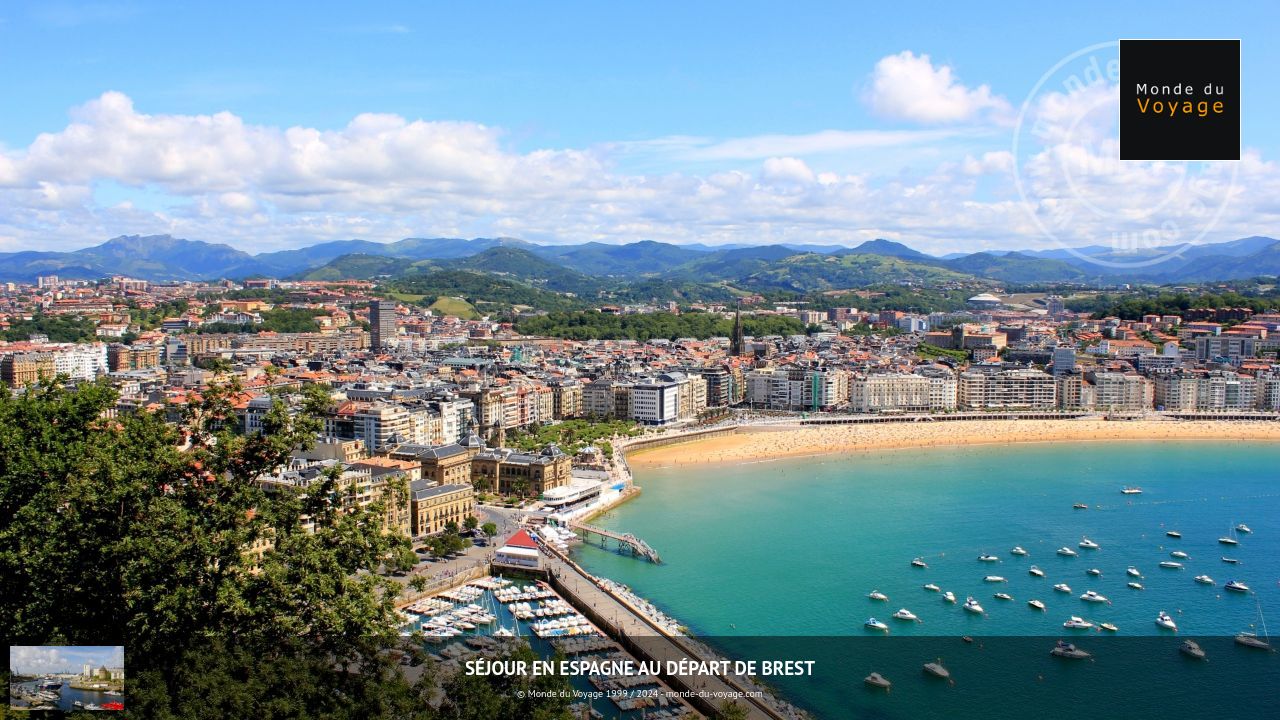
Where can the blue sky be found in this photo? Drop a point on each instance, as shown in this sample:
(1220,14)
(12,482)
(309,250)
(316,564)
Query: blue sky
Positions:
(63,658)
(622,110)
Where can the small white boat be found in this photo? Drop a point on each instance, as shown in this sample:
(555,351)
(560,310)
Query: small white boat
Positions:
(1243,528)
(972,606)
(875,624)
(905,614)
(1088,544)
(1166,622)
(1230,561)
(877,680)
(1133,572)
(1179,554)
(1204,580)
(935,669)
(1067,552)
(1077,623)
(1236,586)
(877,595)
(1091,596)
(1080,506)
(1109,627)
(1003,596)
(988,558)
(931,587)
(1062,588)
(1036,571)
(1171,565)
(1228,541)
(919,562)
(1095,572)
(1173,534)
(1134,490)
(1135,586)
(949,596)
(1036,604)
(994,579)
(1018,550)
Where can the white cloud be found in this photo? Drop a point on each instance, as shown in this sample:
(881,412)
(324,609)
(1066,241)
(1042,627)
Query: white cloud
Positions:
(907,86)
(383,177)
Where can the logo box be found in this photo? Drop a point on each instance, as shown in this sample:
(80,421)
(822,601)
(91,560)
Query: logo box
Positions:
(1180,99)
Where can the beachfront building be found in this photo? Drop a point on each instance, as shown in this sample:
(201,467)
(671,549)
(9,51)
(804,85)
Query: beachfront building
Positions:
(778,388)
(993,388)
(433,506)
(927,390)
(520,550)
(1120,392)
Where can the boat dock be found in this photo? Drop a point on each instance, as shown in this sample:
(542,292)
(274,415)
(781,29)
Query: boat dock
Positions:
(638,547)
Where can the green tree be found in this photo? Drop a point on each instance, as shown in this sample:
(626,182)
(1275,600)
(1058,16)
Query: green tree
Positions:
(470,523)
(489,529)
(732,710)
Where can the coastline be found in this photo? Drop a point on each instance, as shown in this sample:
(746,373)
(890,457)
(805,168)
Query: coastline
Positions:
(760,443)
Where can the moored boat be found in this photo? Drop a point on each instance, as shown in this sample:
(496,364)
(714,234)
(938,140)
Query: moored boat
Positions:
(937,670)
(1091,596)
(1095,572)
(1204,579)
(877,680)
(988,558)
(949,596)
(919,562)
(1236,586)
(1133,572)
(1171,565)
(1135,586)
(1173,534)
(1130,490)
(1192,649)
(1062,588)
(1088,544)
(905,614)
(994,579)
(875,624)
(971,605)
(1243,528)
(1018,550)
(878,596)
(1166,622)
(1036,604)
(1077,623)
(931,587)
(1067,552)
(1067,650)
(1003,596)
(1036,571)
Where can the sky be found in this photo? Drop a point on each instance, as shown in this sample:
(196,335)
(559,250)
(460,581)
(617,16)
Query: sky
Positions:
(275,125)
(36,659)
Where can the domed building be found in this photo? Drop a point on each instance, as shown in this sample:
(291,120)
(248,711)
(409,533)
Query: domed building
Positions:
(985,301)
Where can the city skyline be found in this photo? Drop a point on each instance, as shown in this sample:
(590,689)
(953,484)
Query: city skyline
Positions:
(874,126)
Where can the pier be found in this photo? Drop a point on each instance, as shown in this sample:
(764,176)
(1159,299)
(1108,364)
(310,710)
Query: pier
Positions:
(638,547)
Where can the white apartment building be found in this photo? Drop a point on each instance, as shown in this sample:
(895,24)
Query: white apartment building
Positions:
(81,362)
(656,401)
(933,390)
(1120,392)
(1020,389)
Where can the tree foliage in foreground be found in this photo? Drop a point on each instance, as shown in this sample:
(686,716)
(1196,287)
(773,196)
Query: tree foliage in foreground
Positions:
(128,531)
(591,325)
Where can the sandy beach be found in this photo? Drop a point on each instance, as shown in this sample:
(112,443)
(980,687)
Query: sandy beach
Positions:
(754,444)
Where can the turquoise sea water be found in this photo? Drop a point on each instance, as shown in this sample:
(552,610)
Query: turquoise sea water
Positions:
(792,547)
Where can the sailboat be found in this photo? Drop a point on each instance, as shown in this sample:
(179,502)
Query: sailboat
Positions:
(1250,639)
